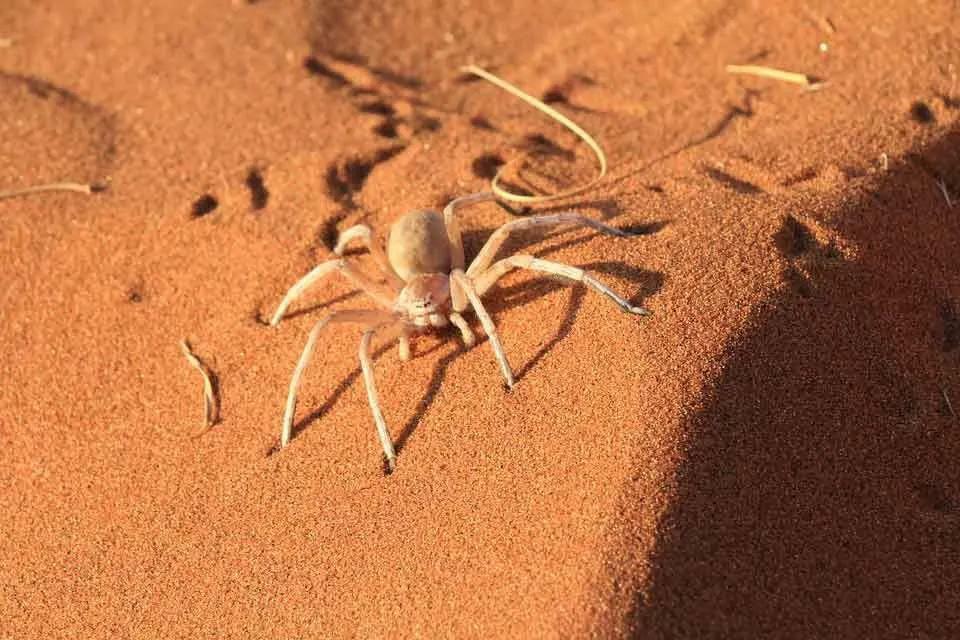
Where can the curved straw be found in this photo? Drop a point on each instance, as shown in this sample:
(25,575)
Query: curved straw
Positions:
(502,193)
(211,403)
(56,186)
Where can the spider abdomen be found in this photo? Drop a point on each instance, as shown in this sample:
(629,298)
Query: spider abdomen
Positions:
(418,244)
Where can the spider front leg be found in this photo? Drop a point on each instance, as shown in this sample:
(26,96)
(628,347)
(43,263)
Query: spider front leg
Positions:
(366,363)
(459,280)
(486,280)
(322,270)
(466,333)
(371,319)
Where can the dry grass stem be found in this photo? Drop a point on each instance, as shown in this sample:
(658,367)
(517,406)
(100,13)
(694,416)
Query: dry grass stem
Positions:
(211,403)
(825,23)
(945,192)
(774,74)
(53,186)
(946,399)
(552,113)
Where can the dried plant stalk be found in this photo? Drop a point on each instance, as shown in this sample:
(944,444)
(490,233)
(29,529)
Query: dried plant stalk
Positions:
(945,192)
(54,186)
(949,404)
(552,113)
(770,72)
(211,403)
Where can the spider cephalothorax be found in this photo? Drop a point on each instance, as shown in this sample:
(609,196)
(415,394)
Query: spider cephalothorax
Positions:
(425,301)
(428,285)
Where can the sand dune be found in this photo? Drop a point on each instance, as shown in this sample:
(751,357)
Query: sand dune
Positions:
(772,453)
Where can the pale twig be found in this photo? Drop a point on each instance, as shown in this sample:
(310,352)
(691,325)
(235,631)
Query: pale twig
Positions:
(211,403)
(770,72)
(825,23)
(554,115)
(945,192)
(946,399)
(54,186)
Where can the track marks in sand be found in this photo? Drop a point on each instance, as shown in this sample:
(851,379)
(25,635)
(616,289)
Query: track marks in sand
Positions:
(934,109)
(808,249)
(259,195)
(742,187)
(346,177)
(391,98)
(204,205)
(922,113)
(486,166)
(389,101)
(135,293)
(747,177)
(744,176)
(224,199)
(807,246)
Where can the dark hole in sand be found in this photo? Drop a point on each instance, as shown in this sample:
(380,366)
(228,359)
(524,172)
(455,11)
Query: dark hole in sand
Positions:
(920,112)
(487,165)
(386,129)
(203,205)
(258,190)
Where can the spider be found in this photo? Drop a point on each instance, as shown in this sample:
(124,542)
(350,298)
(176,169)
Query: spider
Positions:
(428,286)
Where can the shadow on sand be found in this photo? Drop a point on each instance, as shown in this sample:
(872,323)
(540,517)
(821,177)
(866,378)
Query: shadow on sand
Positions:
(819,494)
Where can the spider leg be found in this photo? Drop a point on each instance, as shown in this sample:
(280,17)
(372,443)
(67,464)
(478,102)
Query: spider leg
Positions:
(367,365)
(357,232)
(368,318)
(465,332)
(362,282)
(370,240)
(496,240)
(405,353)
(457,260)
(458,299)
(486,280)
(462,281)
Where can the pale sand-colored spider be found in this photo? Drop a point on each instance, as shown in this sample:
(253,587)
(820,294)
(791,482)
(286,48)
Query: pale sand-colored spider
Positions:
(428,286)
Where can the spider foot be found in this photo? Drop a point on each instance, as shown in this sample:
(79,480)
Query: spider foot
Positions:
(389,465)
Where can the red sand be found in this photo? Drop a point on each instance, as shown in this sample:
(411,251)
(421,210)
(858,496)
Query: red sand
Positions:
(770,455)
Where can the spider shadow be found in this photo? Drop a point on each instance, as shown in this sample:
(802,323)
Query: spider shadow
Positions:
(345,384)
(433,387)
(321,305)
(474,239)
(519,295)
(514,296)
